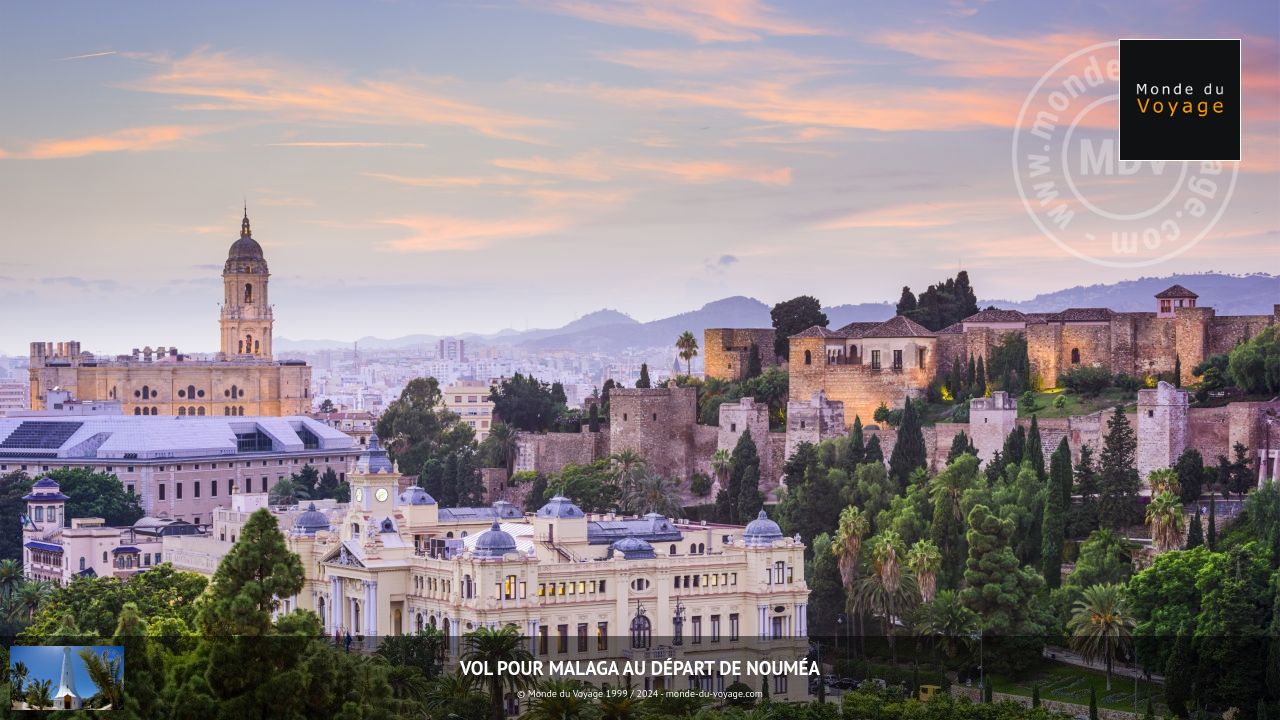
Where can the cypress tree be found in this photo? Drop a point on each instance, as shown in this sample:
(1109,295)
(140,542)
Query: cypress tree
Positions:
(1015,447)
(956,382)
(909,451)
(960,445)
(1035,695)
(1195,533)
(744,456)
(971,374)
(994,469)
(1177,371)
(1118,481)
(643,382)
(874,453)
(751,501)
(754,365)
(857,447)
(1211,536)
(1034,450)
(980,378)
(593,418)
(1055,515)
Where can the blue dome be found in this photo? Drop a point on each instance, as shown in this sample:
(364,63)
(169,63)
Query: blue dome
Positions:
(374,459)
(311,521)
(494,543)
(762,531)
(560,507)
(46,482)
(416,496)
(633,548)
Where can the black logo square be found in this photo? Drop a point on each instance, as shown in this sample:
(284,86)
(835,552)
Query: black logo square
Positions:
(1179,99)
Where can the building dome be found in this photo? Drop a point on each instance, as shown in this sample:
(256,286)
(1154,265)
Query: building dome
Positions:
(311,521)
(633,548)
(374,459)
(246,248)
(416,496)
(494,543)
(761,532)
(560,507)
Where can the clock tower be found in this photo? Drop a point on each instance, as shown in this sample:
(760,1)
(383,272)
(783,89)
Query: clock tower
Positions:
(374,482)
(246,311)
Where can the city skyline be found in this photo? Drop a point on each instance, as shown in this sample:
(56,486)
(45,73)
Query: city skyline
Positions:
(417,167)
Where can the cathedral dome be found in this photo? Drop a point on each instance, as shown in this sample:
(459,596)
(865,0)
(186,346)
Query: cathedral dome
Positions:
(245,249)
(494,543)
(311,521)
(761,532)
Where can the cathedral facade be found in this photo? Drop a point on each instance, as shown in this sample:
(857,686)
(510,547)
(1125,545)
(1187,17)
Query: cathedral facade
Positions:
(241,379)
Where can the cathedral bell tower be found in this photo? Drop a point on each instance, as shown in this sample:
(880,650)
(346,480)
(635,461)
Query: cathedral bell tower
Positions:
(246,310)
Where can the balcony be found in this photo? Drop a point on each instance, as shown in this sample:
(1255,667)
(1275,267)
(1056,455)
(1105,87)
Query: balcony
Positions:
(661,652)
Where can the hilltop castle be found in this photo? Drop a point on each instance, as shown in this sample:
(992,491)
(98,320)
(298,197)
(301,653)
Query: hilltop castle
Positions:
(241,379)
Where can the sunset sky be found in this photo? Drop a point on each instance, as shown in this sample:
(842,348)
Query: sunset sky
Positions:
(453,167)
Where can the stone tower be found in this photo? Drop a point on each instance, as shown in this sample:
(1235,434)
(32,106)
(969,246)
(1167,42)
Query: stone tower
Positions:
(991,419)
(1162,428)
(246,309)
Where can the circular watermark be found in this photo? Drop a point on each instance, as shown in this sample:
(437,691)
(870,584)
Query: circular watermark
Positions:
(1099,208)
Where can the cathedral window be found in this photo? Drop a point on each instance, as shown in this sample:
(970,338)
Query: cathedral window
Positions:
(200,411)
(137,411)
(248,292)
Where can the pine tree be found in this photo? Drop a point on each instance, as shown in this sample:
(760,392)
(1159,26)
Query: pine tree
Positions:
(1177,371)
(970,375)
(1211,536)
(909,451)
(874,453)
(751,501)
(1118,482)
(992,565)
(960,445)
(643,382)
(956,381)
(754,365)
(1034,450)
(1195,533)
(1055,515)
(906,302)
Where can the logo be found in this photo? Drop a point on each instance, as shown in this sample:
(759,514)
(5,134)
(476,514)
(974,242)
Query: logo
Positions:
(1083,196)
(1180,100)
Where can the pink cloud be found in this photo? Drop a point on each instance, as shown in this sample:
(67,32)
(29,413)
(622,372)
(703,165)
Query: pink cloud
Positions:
(301,94)
(703,20)
(440,233)
(454,181)
(138,139)
(594,166)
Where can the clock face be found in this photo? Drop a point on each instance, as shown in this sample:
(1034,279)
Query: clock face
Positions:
(359,494)
(381,494)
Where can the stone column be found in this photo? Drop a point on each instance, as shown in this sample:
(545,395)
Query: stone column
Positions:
(335,604)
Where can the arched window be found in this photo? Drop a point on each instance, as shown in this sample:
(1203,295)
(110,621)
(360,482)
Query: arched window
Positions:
(240,348)
(673,550)
(257,348)
(200,411)
(702,548)
(248,342)
(137,411)
(1075,356)
(191,411)
(419,623)
(82,563)
(468,587)
(248,292)
(808,358)
(191,391)
(182,411)
(641,632)
(104,556)
(146,392)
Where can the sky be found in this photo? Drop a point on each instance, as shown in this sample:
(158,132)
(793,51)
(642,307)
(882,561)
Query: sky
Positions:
(45,663)
(456,167)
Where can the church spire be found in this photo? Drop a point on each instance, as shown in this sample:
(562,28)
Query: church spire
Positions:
(244,224)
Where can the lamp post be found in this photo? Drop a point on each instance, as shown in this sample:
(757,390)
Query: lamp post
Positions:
(840,626)
(678,624)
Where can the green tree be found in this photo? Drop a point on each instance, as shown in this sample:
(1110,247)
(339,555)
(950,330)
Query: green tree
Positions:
(847,543)
(1190,469)
(942,303)
(644,381)
(997,588)
(874,454)
(1211,538)
(1254,365)
(1100,626)
(960,444)
(326,406)
(1167,521)
(793,316)
(687,344)
(1009,366)
(416,427)
(1118,481)
(491,646)
(1034,452)
(593,422)
(909,452)
(526,403)
(755,365)
(287,492)
(856,448)
(330,486)
(743,458)
(1015,446)
(947,490)
(40,694)
(1055,515)
(95,494)
(924,559)
(107,673)
(1195,532)
(1105,557)
(906,302)
(887,591)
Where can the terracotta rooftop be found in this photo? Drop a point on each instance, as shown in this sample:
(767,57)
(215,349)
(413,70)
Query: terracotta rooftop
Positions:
(1176,291)
(952,329)
(899,327)
(1082,315)
(856,329)
(817,331)
(993,315)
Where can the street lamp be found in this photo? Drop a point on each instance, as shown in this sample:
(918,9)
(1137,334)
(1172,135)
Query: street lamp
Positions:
(678,623)
(840,626)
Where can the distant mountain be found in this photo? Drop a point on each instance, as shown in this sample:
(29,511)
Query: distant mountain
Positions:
(1228,294)
(610,330)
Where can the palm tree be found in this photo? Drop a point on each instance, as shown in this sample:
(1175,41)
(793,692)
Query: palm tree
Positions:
(504,439)
(28,598)
(40,694)
(652,493)
(107,673)
(848,542)
(888,591)
(626,465)
(449,691)
(1100,625)
(924,559)
(948,621)
(688,346)
(618,708)
(10,577)
(491,646)
(721,463)
(18,678)
(1167,520)
(1164,479)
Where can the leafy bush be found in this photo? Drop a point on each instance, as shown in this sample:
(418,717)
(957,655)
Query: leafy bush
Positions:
(1129,382)
(700,485)
(1086,380)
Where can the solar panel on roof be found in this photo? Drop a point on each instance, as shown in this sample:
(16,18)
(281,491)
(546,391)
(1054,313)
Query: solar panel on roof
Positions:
(42,435)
